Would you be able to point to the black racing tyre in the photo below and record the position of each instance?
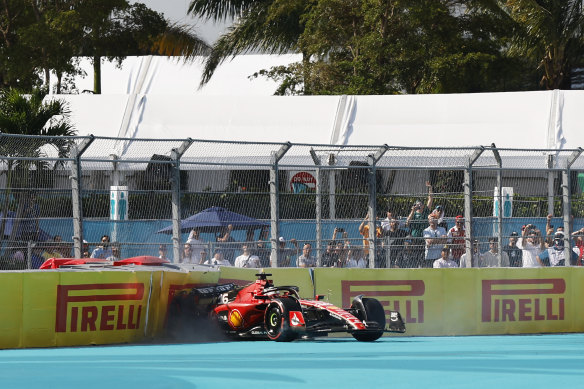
(277, 319)
(373, 312)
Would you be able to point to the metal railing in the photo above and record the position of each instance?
(79, 188)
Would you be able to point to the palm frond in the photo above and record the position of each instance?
(217, 10)
(180, 40)
(257, 30)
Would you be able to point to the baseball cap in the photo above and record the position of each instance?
(459, 218)
(514, 233)
(281, 239)
(559, 234)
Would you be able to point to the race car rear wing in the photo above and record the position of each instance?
(216, 290)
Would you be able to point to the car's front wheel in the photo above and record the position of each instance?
(277, 319)
(371, 310)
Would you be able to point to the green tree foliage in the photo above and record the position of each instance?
(547, 32)
(30, 115)
(44, 36)
(270, 26)
(376, 46)
(114, 29)
(413, 46)
(16, 67)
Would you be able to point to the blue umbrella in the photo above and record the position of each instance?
(214, 219)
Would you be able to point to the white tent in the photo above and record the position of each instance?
(156, 97)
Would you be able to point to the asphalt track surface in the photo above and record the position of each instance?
(537, 361)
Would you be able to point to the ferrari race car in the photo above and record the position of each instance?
(263, 311)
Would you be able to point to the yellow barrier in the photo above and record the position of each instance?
(466, 301)
(69, 308)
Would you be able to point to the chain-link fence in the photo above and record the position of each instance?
(294, 204)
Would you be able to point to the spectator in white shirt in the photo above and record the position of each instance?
(531, 245)
(475, 259)
(435, 237)
(218, 260)
(247, 259)
(354, 259)
(491, 257)
(197, 246)
(444, 261)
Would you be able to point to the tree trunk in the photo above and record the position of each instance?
(306, 73)
(59, 79)
(47, 78)
(97, 75)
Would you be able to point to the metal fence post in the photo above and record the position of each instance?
(499, 202)
(468, 203)
(372, 179)
(550, 179)
(318, 206)
(76, 198)
(176, 155)
(332, 187)
(275, 202)
(567, 205)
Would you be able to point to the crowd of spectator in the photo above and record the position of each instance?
(422, 239)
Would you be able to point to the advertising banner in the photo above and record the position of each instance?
(302, 181)
(72, 308)
(11, 287)
(119, 203)
(102, 307)
(507, 199)
(530, 301)
(466, 301)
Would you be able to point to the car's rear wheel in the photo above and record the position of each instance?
(370, 311)
(277, 319)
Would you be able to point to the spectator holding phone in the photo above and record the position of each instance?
(531, 244)
(555, 255)
(417, 220)
(513, 252)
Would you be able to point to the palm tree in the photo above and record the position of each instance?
(179, 40)
(547, 31)
(270, 26)
(115, 29)
(30, 115)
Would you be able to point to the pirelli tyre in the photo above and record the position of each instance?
(369, 310)
(277, 319)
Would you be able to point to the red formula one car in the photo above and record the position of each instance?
(262, 310)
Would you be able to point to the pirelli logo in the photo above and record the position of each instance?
(405, 296)
(99, 307)
(523, 300)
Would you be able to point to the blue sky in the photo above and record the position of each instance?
(176, 10)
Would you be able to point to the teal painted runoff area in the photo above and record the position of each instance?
(533, 361)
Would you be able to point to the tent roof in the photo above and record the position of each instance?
(157, 97)
(173, 76)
